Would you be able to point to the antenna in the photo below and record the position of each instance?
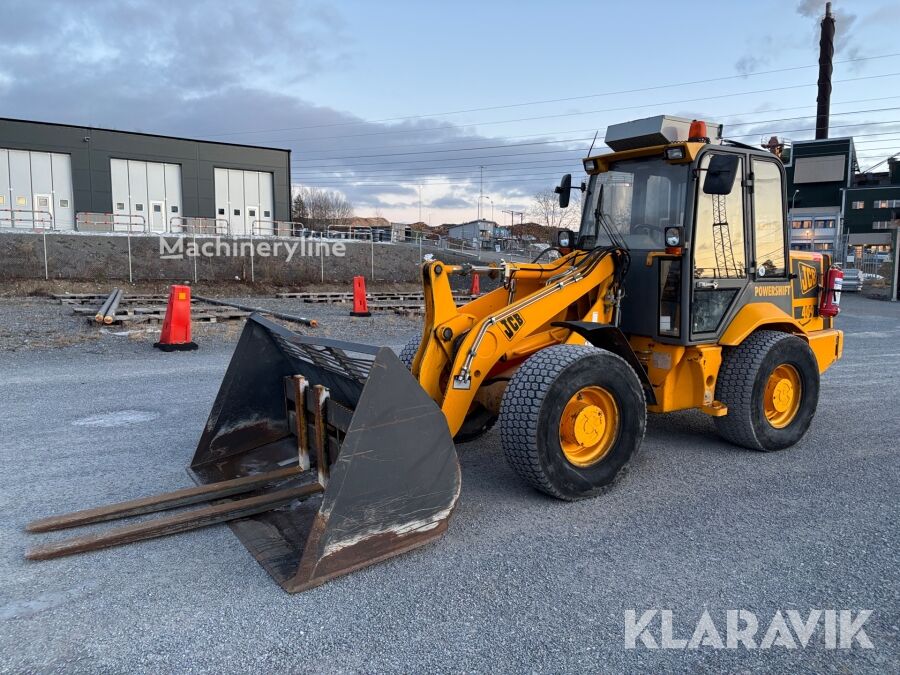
(592, 143)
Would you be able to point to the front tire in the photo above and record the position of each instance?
(571, 419)
(770, 383)
(478, 420)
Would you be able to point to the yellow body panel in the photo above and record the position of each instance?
(463, 349)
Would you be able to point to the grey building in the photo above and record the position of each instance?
(819, 173)
(479, 233)
(76, 177)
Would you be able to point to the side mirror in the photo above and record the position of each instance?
(565, 238)
(720, 174)
(563, 190)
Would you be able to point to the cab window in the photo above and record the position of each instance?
(636, 198)
(768, 220)
(719, 233)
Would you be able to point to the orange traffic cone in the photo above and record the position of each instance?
(360, 304)
(476, 285)
(176, 328)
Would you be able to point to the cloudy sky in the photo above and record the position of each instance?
(389, 101)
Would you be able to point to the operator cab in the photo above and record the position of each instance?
(679, 201)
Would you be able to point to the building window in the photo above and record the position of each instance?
(884, 224)
(221, 212)
(63, 203)
(251, 213)
(120, 206)
(801, 224)
(138, 207)
(21, 201)
(267, 214)
(237, 212)
(882, 204)
(825, 223)
(174, 209)
(857, 205)
(2, 199)
(157, 208)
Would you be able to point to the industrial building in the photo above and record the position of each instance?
(819, 172)
(84, 178)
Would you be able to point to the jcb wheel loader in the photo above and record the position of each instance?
(677, 292)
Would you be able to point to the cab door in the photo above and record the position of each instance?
(718, 245)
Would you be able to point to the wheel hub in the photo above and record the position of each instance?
(588, 426)
(783, 394)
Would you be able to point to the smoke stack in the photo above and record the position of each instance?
(826, 53)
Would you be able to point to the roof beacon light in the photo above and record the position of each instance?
(698, 132)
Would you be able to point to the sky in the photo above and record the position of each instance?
(415, 109)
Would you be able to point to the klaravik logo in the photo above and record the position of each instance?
(828, 628)
(809, 277)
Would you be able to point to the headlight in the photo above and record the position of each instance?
(676, 152)
(590, 165)
(673, 237)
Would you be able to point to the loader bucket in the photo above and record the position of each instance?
(340, 458)
(379, 445)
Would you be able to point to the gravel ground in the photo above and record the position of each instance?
(519, 583)
(41, 323)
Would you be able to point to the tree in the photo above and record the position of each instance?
(323, 207)
(299, 212)
(545, 210)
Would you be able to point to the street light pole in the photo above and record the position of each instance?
(793, 197)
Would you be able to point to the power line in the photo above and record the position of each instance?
(540, 152)
(307, 153)
(572, 114)
(554, 100)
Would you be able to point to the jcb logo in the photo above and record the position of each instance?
(809, 277)
(512, 324)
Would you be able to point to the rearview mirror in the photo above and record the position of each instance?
(563, 190)
(720, 175)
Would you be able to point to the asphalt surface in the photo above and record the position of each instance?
(519, 583)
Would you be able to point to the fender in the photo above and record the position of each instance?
(612, 339)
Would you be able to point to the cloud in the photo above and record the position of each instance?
(450, 202)
(209, 68)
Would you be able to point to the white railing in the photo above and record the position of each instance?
(111, 222)
(16, 219)
(362, 232)
(278, 228)
(199, 226)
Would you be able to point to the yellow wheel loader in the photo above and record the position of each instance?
(678, 291)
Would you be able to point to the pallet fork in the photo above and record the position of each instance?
(343, 459)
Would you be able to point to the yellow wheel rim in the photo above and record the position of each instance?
(588, 426)
(781, 400)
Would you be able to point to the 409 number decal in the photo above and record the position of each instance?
(512, 324)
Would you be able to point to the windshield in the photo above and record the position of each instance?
(640, 198)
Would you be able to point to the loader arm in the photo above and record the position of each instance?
(464, 347)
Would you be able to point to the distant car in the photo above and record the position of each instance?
(853, 280)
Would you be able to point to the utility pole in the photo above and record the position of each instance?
(480, 192)
(420, 203)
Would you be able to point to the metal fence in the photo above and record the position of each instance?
(26, 219)
(199, 226)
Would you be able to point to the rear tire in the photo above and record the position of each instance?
(536, 423)
(748, 384)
